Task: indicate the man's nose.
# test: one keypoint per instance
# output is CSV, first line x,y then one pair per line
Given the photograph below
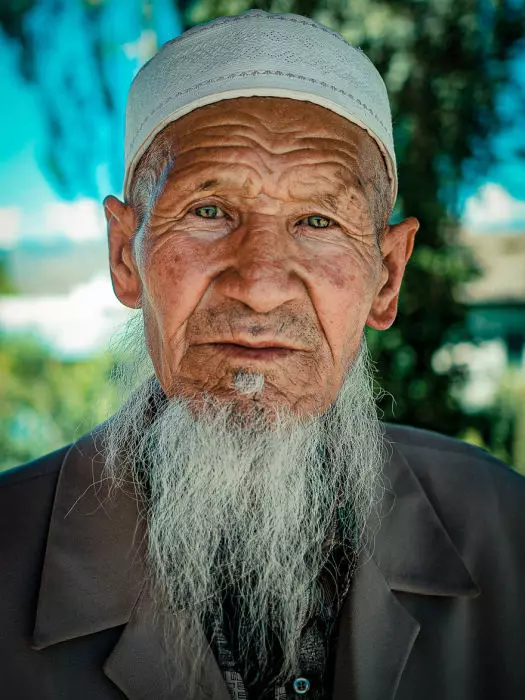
x,y
262,271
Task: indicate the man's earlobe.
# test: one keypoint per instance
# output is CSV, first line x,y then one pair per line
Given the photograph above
x,y
396,249
124,273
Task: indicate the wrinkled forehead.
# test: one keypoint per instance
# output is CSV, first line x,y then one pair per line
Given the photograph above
x,y
276,125
277,114
274,119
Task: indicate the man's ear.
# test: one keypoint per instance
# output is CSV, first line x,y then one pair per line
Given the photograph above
x,y
124,274
396,249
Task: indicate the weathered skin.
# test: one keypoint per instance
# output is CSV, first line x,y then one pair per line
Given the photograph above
x,y
261,269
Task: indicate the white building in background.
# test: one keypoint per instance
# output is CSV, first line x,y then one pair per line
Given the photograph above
x,y
64,294
495,317
73,325
497,300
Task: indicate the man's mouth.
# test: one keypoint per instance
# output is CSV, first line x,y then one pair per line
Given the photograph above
x,y
250,352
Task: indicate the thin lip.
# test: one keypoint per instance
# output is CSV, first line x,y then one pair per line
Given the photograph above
x,y
253,346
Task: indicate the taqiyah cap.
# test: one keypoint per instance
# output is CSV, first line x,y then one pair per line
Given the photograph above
x,y
257,53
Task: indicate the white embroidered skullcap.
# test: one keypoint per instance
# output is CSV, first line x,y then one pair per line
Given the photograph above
x,y
257,53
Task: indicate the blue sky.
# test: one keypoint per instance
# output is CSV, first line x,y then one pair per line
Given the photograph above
x,y
21,180
31,209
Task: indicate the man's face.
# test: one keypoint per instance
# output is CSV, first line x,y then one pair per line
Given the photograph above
x,y
261,254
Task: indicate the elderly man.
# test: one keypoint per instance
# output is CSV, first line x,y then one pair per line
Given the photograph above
x,y
244,526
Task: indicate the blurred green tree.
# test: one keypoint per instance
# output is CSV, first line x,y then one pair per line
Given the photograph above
x,y
444,62
501,427
46,402
6,285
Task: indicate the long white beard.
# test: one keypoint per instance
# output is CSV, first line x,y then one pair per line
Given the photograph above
x,y
249,502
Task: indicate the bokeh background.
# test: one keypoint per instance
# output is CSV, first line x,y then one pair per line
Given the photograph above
x,y
455,69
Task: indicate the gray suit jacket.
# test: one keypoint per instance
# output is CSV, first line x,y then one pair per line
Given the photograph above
x,y
436,610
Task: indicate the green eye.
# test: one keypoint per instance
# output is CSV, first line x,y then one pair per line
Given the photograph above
x,y
209,211
317,221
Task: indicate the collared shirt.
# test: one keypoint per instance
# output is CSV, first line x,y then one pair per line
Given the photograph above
x,y
317,642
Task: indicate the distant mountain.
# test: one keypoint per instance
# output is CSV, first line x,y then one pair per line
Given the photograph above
x,y
55,267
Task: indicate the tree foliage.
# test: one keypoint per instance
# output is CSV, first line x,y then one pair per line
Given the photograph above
x,y
444,62
46,402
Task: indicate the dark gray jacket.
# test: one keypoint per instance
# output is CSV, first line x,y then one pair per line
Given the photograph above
x,y
436,610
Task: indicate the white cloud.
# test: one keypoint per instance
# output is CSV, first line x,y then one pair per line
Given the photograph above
x,y
9,227
493,206
81,220
74,324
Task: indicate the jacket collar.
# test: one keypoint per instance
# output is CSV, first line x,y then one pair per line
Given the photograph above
x,y
412,553
93,568
93,579
411,547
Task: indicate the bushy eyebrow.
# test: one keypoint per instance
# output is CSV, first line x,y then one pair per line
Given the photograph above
x,y
208,185
327,201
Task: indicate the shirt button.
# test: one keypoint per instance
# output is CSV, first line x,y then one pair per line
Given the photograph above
x,y
301,685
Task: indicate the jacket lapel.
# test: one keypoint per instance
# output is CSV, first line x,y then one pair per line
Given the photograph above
x,y
142,667
94,579
93,568
410,551
376,635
